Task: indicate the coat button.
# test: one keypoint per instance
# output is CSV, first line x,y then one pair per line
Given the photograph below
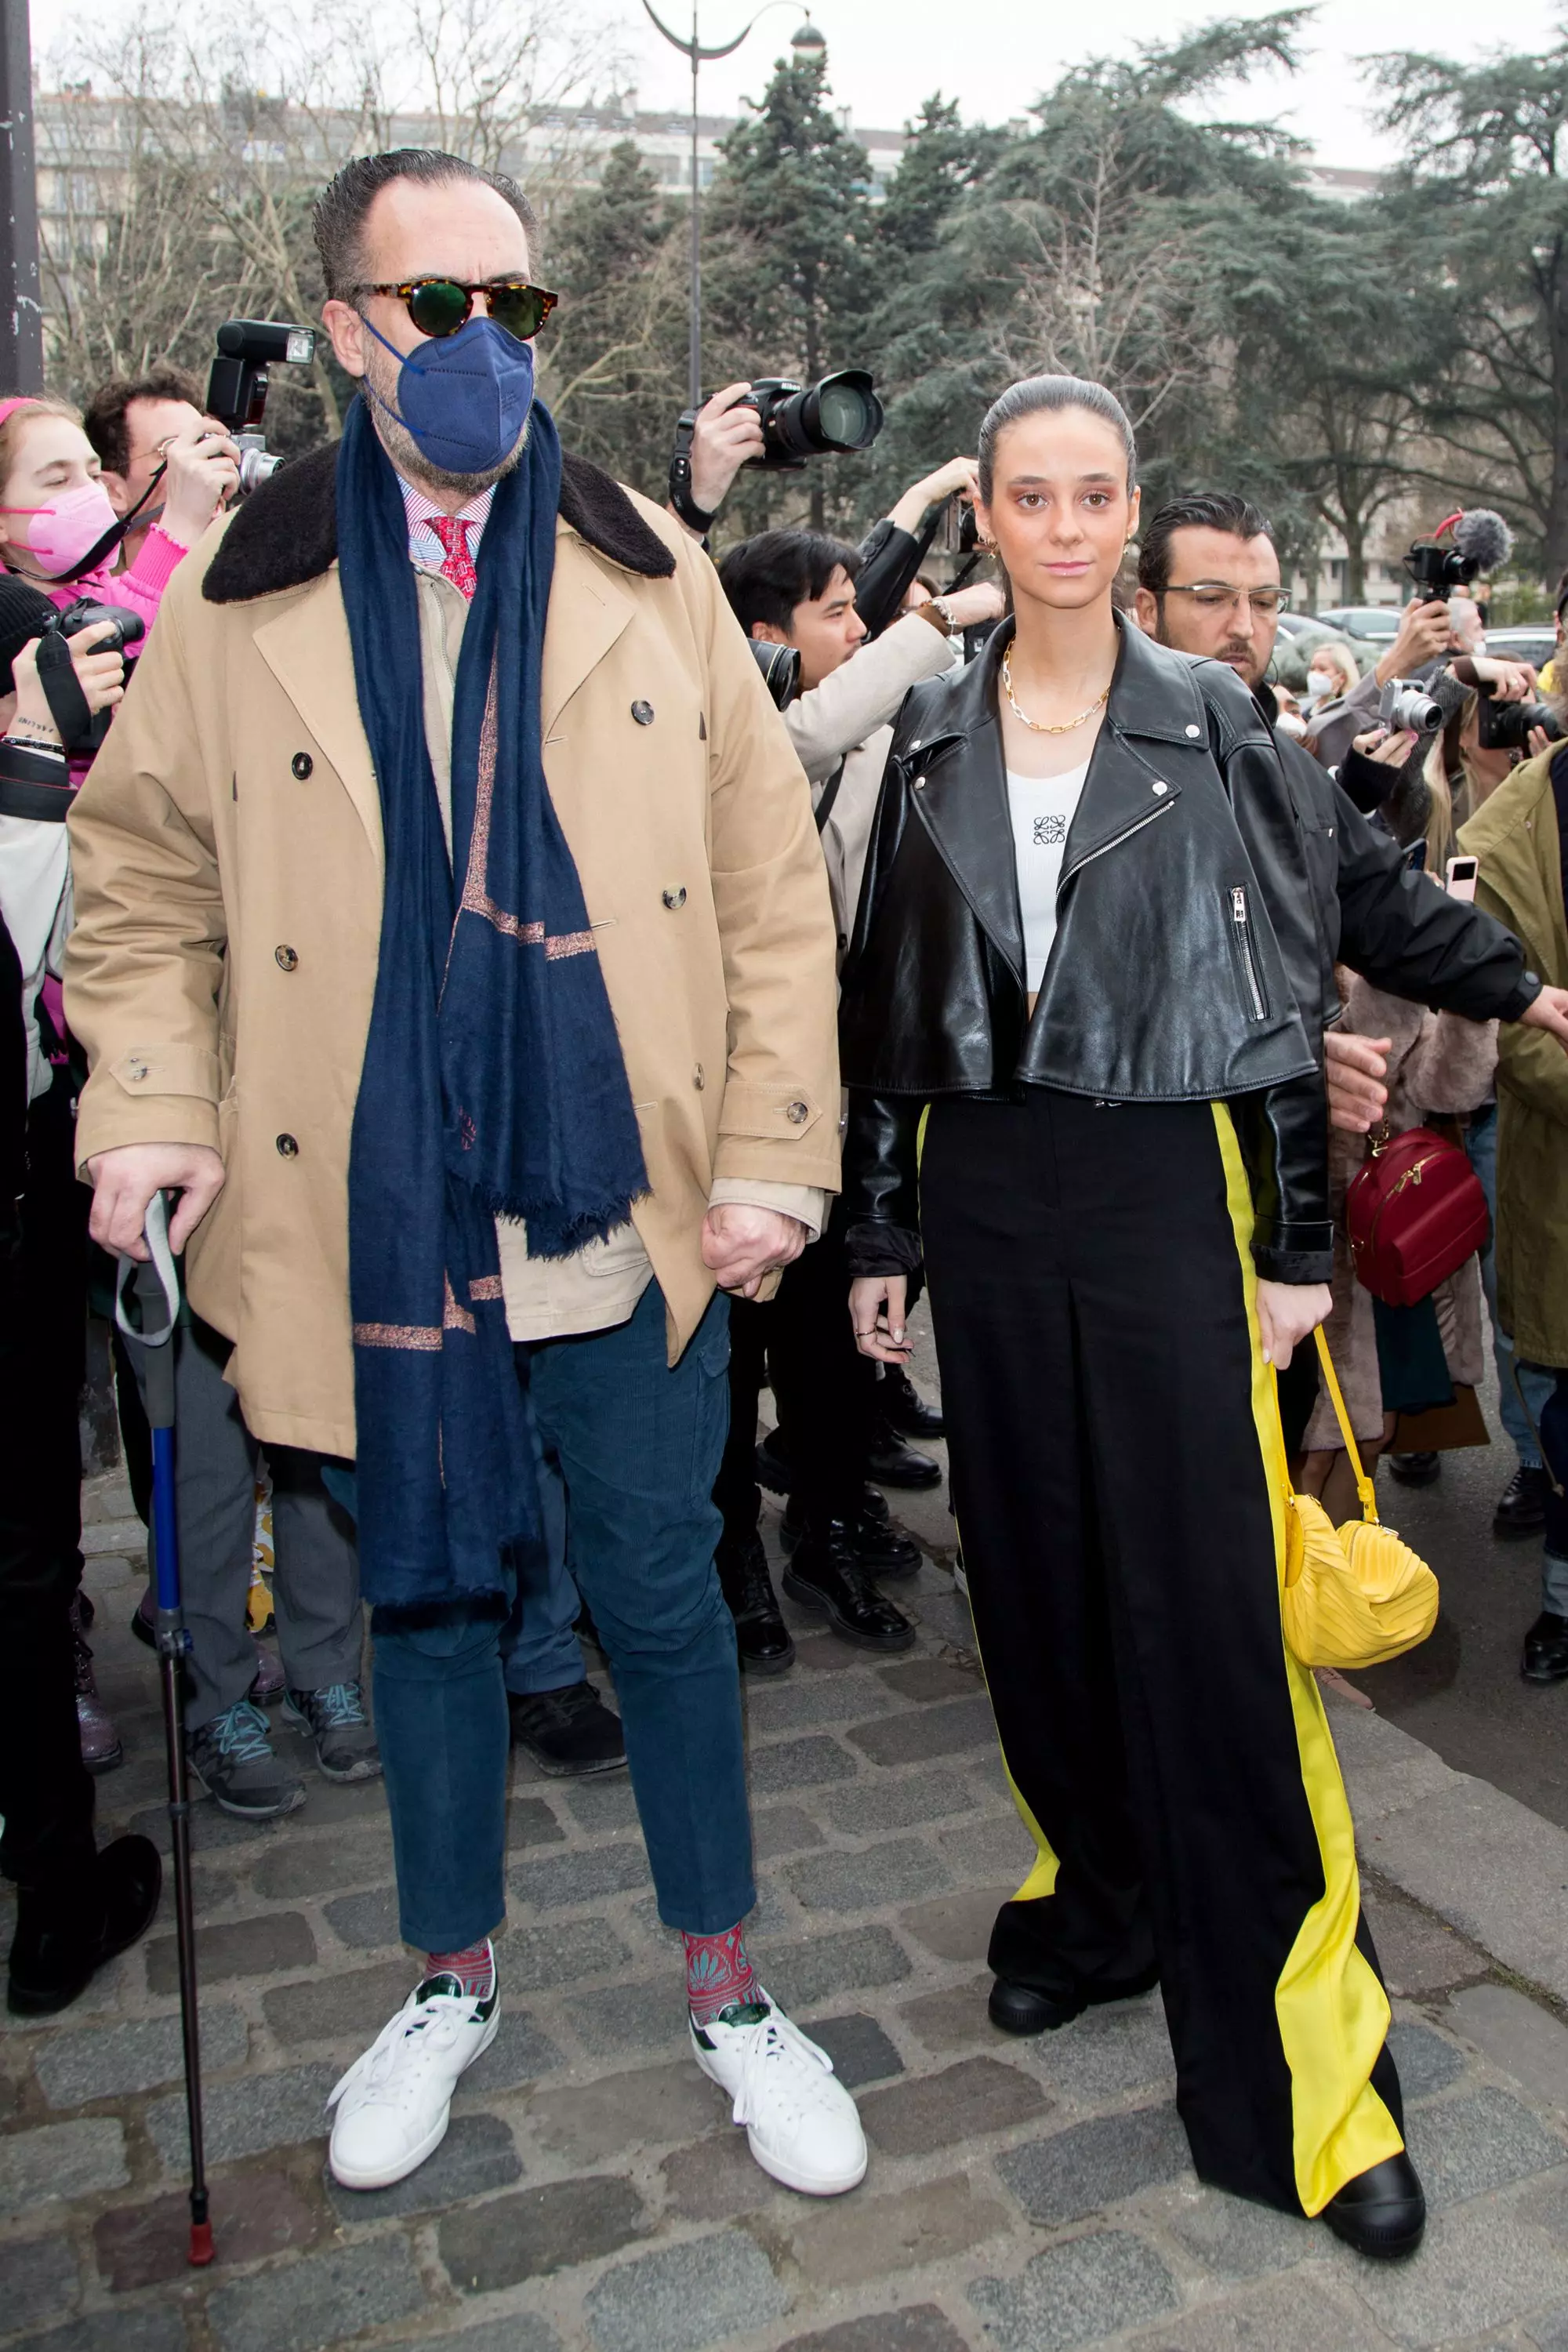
x,y
286,959
137,1071
796,1114
675,899
698,1079
1158,788
643,713
302,765
286,1147
1195,731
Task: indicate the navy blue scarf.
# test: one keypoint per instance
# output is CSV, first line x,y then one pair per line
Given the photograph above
x,y
494,1081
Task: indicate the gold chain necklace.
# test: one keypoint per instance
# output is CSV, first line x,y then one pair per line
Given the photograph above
x,y
1040,725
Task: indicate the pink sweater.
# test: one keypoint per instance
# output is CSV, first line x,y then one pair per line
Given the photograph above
x,y
140,590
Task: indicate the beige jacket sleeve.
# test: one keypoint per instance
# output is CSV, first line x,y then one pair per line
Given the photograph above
x,y
864,693
779,1119
144,963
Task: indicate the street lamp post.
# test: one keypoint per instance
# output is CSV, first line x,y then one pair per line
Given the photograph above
x,y
21,314
693,51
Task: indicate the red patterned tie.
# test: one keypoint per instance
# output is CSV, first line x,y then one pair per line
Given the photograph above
x,y
452,531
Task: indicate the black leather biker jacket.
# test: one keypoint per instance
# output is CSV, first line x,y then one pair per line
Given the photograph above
x,y
1184,909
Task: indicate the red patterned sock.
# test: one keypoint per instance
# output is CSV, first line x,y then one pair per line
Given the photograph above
x,y
474,1968
717,1974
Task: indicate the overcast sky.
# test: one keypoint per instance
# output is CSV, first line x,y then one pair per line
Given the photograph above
x,y
885,55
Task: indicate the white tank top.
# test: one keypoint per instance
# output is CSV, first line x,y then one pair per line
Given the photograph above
x,y
1042,809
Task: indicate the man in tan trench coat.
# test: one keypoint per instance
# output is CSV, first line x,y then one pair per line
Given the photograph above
x,y
230,860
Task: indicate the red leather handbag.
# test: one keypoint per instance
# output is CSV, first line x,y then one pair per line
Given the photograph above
x,y
1415,1212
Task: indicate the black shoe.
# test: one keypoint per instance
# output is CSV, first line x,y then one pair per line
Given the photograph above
x,y
1415,1469
1522,1506
903,1407
60,1948
891,1463
774,1470
761,1637
826,1576
880,1550
1381,2212
1545,1656
1026,2009
567,1731
142,1624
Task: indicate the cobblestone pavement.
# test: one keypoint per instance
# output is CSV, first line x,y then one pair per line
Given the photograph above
x,y
593,2196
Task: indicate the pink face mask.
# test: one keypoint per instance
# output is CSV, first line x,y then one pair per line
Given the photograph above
x,y
61,534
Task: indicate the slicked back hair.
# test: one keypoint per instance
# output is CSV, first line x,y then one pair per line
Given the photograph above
x,y
1049,394
338,217
1206,510
766,577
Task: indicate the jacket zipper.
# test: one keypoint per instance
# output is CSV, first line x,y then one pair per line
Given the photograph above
x,y
1114,843
1243,921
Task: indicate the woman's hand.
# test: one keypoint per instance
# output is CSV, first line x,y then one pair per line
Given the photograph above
x,y
202,470
101,676
1509,681
876,1315
1287,1313
1389,750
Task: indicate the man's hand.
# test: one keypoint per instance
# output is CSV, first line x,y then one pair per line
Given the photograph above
x,y
739,1245
1355,1068
722,438
1509,681
1550,1011
968,607
877,1313
960,474
1423,632
1287,1313
203,473
124,1180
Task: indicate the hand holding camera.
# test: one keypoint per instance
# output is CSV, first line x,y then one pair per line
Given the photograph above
x,y
725,436
99,667
201,473
1423,632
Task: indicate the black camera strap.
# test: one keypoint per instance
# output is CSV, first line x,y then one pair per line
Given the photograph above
x,y
694,516
830,793
62,690
104,546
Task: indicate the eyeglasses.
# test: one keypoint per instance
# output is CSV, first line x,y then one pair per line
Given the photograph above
x,y
439,306
1214,596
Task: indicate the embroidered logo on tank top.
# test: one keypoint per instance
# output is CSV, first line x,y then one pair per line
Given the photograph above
x,y
1050,831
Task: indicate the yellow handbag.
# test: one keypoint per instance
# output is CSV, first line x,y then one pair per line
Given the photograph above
x,y
1356,1595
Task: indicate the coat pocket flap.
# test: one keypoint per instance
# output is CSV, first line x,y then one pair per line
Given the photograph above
x,y
779,1113
169,1070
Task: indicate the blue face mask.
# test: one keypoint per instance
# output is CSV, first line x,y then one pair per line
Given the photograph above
x,y
465,397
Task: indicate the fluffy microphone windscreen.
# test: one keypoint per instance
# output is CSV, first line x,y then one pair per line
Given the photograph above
x,y
1485,536
25,612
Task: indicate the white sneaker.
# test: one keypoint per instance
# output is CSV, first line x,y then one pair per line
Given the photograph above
x,y
801,2124
393,2103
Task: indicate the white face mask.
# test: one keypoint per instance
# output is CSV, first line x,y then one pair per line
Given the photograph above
x,y
1290,723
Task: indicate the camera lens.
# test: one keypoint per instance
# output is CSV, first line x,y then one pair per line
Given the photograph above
x,y
842,412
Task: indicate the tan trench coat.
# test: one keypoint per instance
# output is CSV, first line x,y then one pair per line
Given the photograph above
x,y
228,854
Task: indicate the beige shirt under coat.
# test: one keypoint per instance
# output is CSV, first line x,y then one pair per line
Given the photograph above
x,y
599,1287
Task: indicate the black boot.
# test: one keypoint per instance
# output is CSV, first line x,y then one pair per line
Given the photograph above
x,y
1381,2212
826,1576
1522,1506
891,1463
62,1940
1545,1658
1027,2008
1415,1469
880,1548
903,1407
761,1637
774,1470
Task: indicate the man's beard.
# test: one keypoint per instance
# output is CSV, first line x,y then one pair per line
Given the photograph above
x,y
380,379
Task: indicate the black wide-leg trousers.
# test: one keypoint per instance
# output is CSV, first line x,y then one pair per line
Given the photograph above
x,y
1118,1473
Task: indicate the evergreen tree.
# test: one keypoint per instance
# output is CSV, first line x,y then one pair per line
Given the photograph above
x,y
615,352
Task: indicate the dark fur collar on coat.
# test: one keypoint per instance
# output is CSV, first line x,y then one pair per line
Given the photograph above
x,y
285,534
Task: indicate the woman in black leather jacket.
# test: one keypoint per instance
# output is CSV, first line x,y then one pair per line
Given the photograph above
x,y
1082,1097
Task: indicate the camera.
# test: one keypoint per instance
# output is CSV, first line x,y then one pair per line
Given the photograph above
x,y
780,665
236,387
838,413
1506,725
89,733
1405,703
1438,571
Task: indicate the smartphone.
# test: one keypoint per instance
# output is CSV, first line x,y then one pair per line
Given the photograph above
x,y
1462,872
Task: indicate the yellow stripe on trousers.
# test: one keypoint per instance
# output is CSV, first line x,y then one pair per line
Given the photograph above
x,y
1333,2014
1042,1878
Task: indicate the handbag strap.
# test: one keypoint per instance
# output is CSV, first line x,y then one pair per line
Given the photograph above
x,y
1364,1487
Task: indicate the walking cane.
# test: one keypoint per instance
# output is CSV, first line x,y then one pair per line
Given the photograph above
x,y
157,1288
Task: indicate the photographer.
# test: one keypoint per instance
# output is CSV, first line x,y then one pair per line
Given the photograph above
x,y
797,588
1430,635
135,424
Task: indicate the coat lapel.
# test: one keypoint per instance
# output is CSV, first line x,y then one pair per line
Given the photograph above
x,y
961,792
588,611
306,646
